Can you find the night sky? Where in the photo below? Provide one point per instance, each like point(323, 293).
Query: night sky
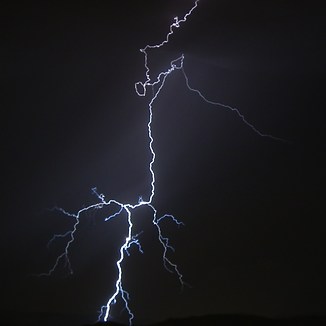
point(254, 236)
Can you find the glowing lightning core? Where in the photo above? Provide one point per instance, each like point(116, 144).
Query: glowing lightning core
point(128, 208)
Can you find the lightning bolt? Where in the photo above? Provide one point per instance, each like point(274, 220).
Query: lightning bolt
point(126, 209)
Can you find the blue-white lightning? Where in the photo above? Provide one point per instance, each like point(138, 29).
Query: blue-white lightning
point(126, 209)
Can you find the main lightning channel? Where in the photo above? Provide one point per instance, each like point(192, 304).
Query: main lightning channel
point(156, 85)
point(128, 208)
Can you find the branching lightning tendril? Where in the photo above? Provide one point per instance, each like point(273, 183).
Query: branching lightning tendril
point(156, 84)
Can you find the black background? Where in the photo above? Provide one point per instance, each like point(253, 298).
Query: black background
point(253, 207)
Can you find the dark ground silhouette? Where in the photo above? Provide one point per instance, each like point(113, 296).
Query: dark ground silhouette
point(237, 320)
point(45, 319)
